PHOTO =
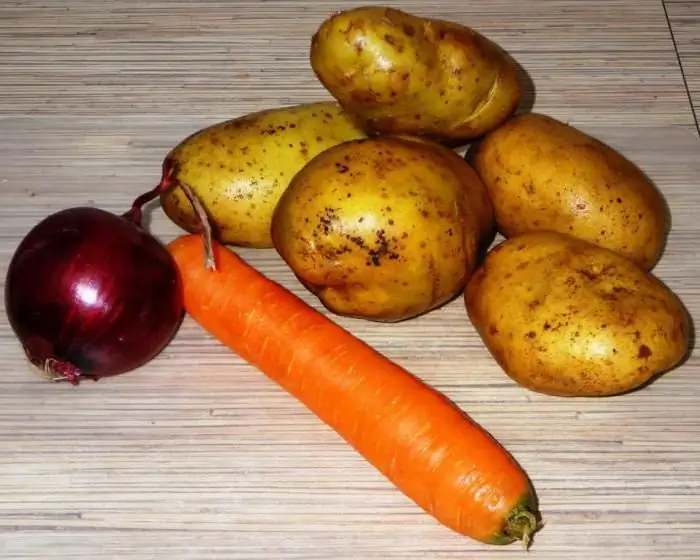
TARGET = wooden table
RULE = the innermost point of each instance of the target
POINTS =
(197, 455)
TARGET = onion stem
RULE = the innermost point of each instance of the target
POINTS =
(209, 260)
(135, 214)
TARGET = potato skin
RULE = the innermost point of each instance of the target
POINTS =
(599, 325)
(404, 74)
(239, 168)
(543, 174)
(385, 228)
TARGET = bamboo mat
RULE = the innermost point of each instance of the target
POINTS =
(197, 456)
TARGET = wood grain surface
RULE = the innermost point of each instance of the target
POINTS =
(197, 456)
(684, 18)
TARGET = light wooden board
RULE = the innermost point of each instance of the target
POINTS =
(197, 456)
(684, 17)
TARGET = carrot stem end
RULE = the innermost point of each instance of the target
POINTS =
(522, 524)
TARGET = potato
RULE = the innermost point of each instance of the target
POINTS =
(566, 317)
(404, 74)
(385, 228)
(545, 175)
(239, 168)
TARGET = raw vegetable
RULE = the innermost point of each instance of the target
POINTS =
(401, 73)
(90, 294)
(599, 325)
(543, 174)
(384, 228)
(423, 443)
(239, 168)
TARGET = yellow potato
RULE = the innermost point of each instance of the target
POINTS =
(239, 168)
(545, 175)
(404, 74)
(565, 317)
(384, 228)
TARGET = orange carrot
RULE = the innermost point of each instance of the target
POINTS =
(422, 442)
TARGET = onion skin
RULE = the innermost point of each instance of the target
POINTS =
(90, 294)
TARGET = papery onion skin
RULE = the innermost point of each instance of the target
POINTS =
(90, 294)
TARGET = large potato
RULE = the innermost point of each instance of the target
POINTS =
(239, 168)
(384, 228)
(543, 174)
(565, 317)
(401, 73)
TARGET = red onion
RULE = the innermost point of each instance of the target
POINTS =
(90, 294)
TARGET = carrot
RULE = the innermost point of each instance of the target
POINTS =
(422, 442)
